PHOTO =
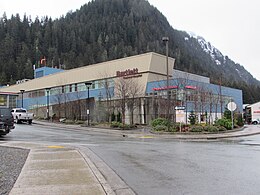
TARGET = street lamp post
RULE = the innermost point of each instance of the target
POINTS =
(88, 84)
(48, 93)
(22, 91)
(166, 41)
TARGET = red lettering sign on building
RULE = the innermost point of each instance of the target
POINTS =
(129, 73)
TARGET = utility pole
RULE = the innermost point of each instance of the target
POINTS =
(22, 91)
(220, 91)
(88, 84)
(48, 102)
(166, 41)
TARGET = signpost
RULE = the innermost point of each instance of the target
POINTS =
(232, 107)
(180, 114)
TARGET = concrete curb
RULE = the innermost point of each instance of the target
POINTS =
(234, 133)
(98, 175)
(79, 128)
(113, 183)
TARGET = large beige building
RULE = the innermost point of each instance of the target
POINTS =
(70, 85)
(133, 86)
(144, 68)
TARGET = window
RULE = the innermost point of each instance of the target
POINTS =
(70, 88)
(100, 84)
(93, 84)
(81, 87)
(76, 87)
(20, 110)
(3, 100)
(12, 101)
(67, 88)
(39, 74)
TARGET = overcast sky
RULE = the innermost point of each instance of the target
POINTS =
(232, 26)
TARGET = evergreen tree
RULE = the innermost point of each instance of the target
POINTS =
(105, 30)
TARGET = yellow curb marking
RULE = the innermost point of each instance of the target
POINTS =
(147, 137)
(56, 147)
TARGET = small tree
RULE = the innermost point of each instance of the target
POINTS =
(127, 91)
(239, 119)
(227, 114)
(192, 118)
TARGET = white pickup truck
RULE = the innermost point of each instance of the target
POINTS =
(21, 115)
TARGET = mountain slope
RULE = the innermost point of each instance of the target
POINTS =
(110, 29)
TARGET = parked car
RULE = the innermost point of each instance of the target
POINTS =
(256, 121)
(21, 115)
(6, 121)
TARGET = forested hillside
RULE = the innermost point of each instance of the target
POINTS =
(109, 29)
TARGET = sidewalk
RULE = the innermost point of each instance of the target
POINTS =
(57, 170)
(61, 170)
(247, 130)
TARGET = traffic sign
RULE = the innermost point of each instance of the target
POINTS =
(232, 106)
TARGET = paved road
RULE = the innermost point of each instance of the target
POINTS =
(159, 166)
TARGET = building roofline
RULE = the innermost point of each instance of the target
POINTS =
(89, 66)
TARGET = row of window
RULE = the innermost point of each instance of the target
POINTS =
(9, 102)
(191, 95)
(77, 87)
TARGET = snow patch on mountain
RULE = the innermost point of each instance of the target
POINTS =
(215, 54)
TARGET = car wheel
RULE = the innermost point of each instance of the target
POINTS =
(254, 123)
(29, 122)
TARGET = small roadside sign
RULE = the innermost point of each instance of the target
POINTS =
(179, 107)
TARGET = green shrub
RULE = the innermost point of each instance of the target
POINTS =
(211, 128)
(196, 129)
(160, 121)
(221, 128)
(227, 123)
(227, 114)
(160, 128)
(239, 119)
(171, 129)
(124, 126)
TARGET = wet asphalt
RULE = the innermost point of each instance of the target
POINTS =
(159, 166)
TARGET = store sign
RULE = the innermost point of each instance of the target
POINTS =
(129, 73)
(190, 87)
(164, 88)
(173, 87)
(180, 116)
